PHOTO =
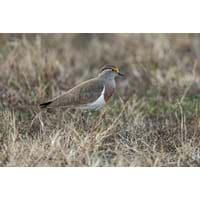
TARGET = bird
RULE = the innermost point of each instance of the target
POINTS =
(89, 95)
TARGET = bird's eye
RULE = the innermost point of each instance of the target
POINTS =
(115, 69)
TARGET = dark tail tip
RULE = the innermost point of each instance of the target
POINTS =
(46, 104)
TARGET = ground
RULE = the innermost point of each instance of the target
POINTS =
(153, 119)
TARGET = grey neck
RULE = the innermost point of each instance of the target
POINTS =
(109, 80)
(107, 76)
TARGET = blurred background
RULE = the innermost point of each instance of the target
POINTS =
(36, 66)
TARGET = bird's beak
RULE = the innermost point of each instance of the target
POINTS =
(120, 74)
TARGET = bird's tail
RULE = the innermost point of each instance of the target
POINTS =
(45, 104)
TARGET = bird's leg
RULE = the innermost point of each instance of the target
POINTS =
(100, 120)
(85, 117)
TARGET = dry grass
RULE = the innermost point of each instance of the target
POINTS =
(153, 120)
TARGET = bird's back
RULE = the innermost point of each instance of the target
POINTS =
(81, 95)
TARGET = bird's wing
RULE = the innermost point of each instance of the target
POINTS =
(82, 94)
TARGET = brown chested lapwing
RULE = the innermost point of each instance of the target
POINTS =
(89, 95)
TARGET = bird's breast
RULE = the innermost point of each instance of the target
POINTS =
(108, 92)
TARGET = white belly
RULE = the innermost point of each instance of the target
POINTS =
(99, 103)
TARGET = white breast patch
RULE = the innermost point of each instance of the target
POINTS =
(99, 103)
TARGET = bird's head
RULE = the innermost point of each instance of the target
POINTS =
(110, 71)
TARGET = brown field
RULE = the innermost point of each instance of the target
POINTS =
(153, 119)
